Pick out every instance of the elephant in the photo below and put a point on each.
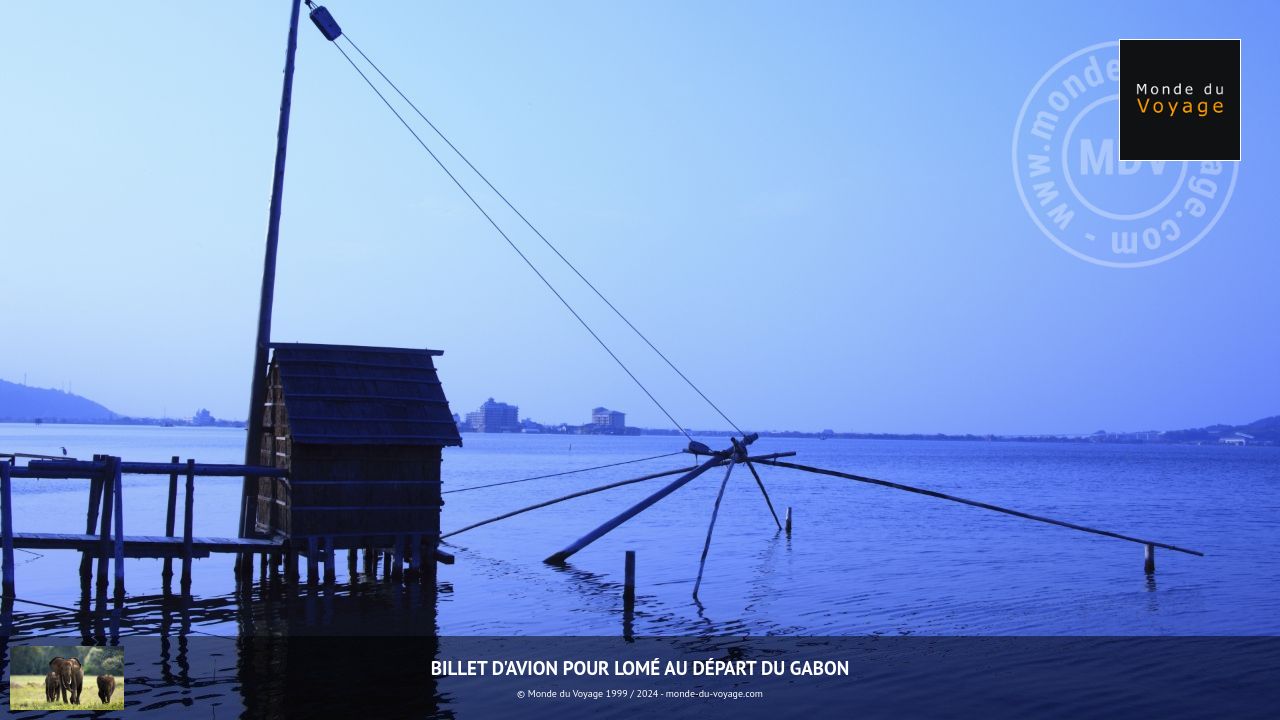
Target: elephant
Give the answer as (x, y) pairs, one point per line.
(51, 686)
(106, 686)
(70, 675)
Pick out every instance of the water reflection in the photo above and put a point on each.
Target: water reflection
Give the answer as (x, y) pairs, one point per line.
(269, 649)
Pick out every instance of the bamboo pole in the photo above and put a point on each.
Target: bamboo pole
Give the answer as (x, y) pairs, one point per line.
(590, 491)
(570, 496)
(715, 511)
(634, 510)
(764, 492)
(975, 503)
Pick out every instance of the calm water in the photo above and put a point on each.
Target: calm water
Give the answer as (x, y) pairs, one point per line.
(862, 560)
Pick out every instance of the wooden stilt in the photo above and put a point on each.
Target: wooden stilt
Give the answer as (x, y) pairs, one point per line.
(291, 565)
(330, 560)
(91, 522)
(1149, 559)
(369, 561)
(188, 525)
(386, 565)
(6, 529)
(313, 574)
(104, 533)
(262, 566)
(117, 481)
(397, 559)
(170, 519)
(415, 557)
(351, 564)
(788, 521)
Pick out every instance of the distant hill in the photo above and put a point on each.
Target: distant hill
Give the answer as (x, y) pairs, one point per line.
(26, 404)
(1266, 430)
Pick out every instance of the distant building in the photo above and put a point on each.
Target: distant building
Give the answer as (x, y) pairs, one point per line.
(607, 422)
(494, 417)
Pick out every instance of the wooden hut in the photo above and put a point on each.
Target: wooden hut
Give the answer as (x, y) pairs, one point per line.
(360, 430)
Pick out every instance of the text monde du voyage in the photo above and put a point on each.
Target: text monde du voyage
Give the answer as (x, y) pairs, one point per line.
(1179, 100)
(631, 668)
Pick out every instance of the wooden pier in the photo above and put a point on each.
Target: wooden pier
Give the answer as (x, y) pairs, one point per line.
(104, 538)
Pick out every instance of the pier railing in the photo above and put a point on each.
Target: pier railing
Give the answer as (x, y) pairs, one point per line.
(104, 536)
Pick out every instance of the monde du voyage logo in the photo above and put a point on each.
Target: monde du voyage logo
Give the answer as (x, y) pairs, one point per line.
(1124, 152)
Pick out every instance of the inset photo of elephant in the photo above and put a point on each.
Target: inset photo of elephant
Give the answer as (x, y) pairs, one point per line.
(54, 677)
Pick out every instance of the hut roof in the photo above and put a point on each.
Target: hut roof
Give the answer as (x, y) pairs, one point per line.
(356, 395)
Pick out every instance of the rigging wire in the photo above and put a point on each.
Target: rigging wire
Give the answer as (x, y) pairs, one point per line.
(542, 237)
(504, 235)
(567, 472)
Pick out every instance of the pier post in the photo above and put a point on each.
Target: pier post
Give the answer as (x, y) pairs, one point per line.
(351, 564)
(104, 535)
(313, 574)
(188, 521)
(369, 561)
(415, 558)
(386, 565)
(788, 521)
(629, 583)
(117, 484)
(1149, 559)
(91, 522)
(330, 559)
(6, 528)
(291, 565)
(170, 518)
(397, 559)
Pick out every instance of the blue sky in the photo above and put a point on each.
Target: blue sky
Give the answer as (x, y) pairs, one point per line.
(809, 206)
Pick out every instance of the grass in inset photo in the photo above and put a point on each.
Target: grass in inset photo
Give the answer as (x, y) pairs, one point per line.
(66, 677)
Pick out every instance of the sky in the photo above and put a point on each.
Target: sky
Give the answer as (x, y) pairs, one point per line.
(809, 207)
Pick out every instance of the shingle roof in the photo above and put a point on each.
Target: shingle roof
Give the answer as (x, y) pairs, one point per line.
(355, 395)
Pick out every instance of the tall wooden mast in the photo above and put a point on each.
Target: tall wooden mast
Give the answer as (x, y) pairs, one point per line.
(262, 343)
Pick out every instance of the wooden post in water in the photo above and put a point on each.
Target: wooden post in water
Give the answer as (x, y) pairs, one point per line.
(415, 558)
(1149, 559)
(629, 583)
(170, 519)
(117, 484)
(351, 564)
(397, 559)
(386, 565)
(330, 560)
(313, 574)
(291, 565)
(91, 522)
(188, 523)
(369, 561)
(6, 528)
(788, 521)
(104, 527)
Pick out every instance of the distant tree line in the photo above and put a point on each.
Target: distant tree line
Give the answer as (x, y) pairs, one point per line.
(97, 660)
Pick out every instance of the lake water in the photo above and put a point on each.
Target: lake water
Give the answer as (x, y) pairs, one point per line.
(861, 559)
(865, 567)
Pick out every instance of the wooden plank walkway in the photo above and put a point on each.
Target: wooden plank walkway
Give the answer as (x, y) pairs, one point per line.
(145, 546)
